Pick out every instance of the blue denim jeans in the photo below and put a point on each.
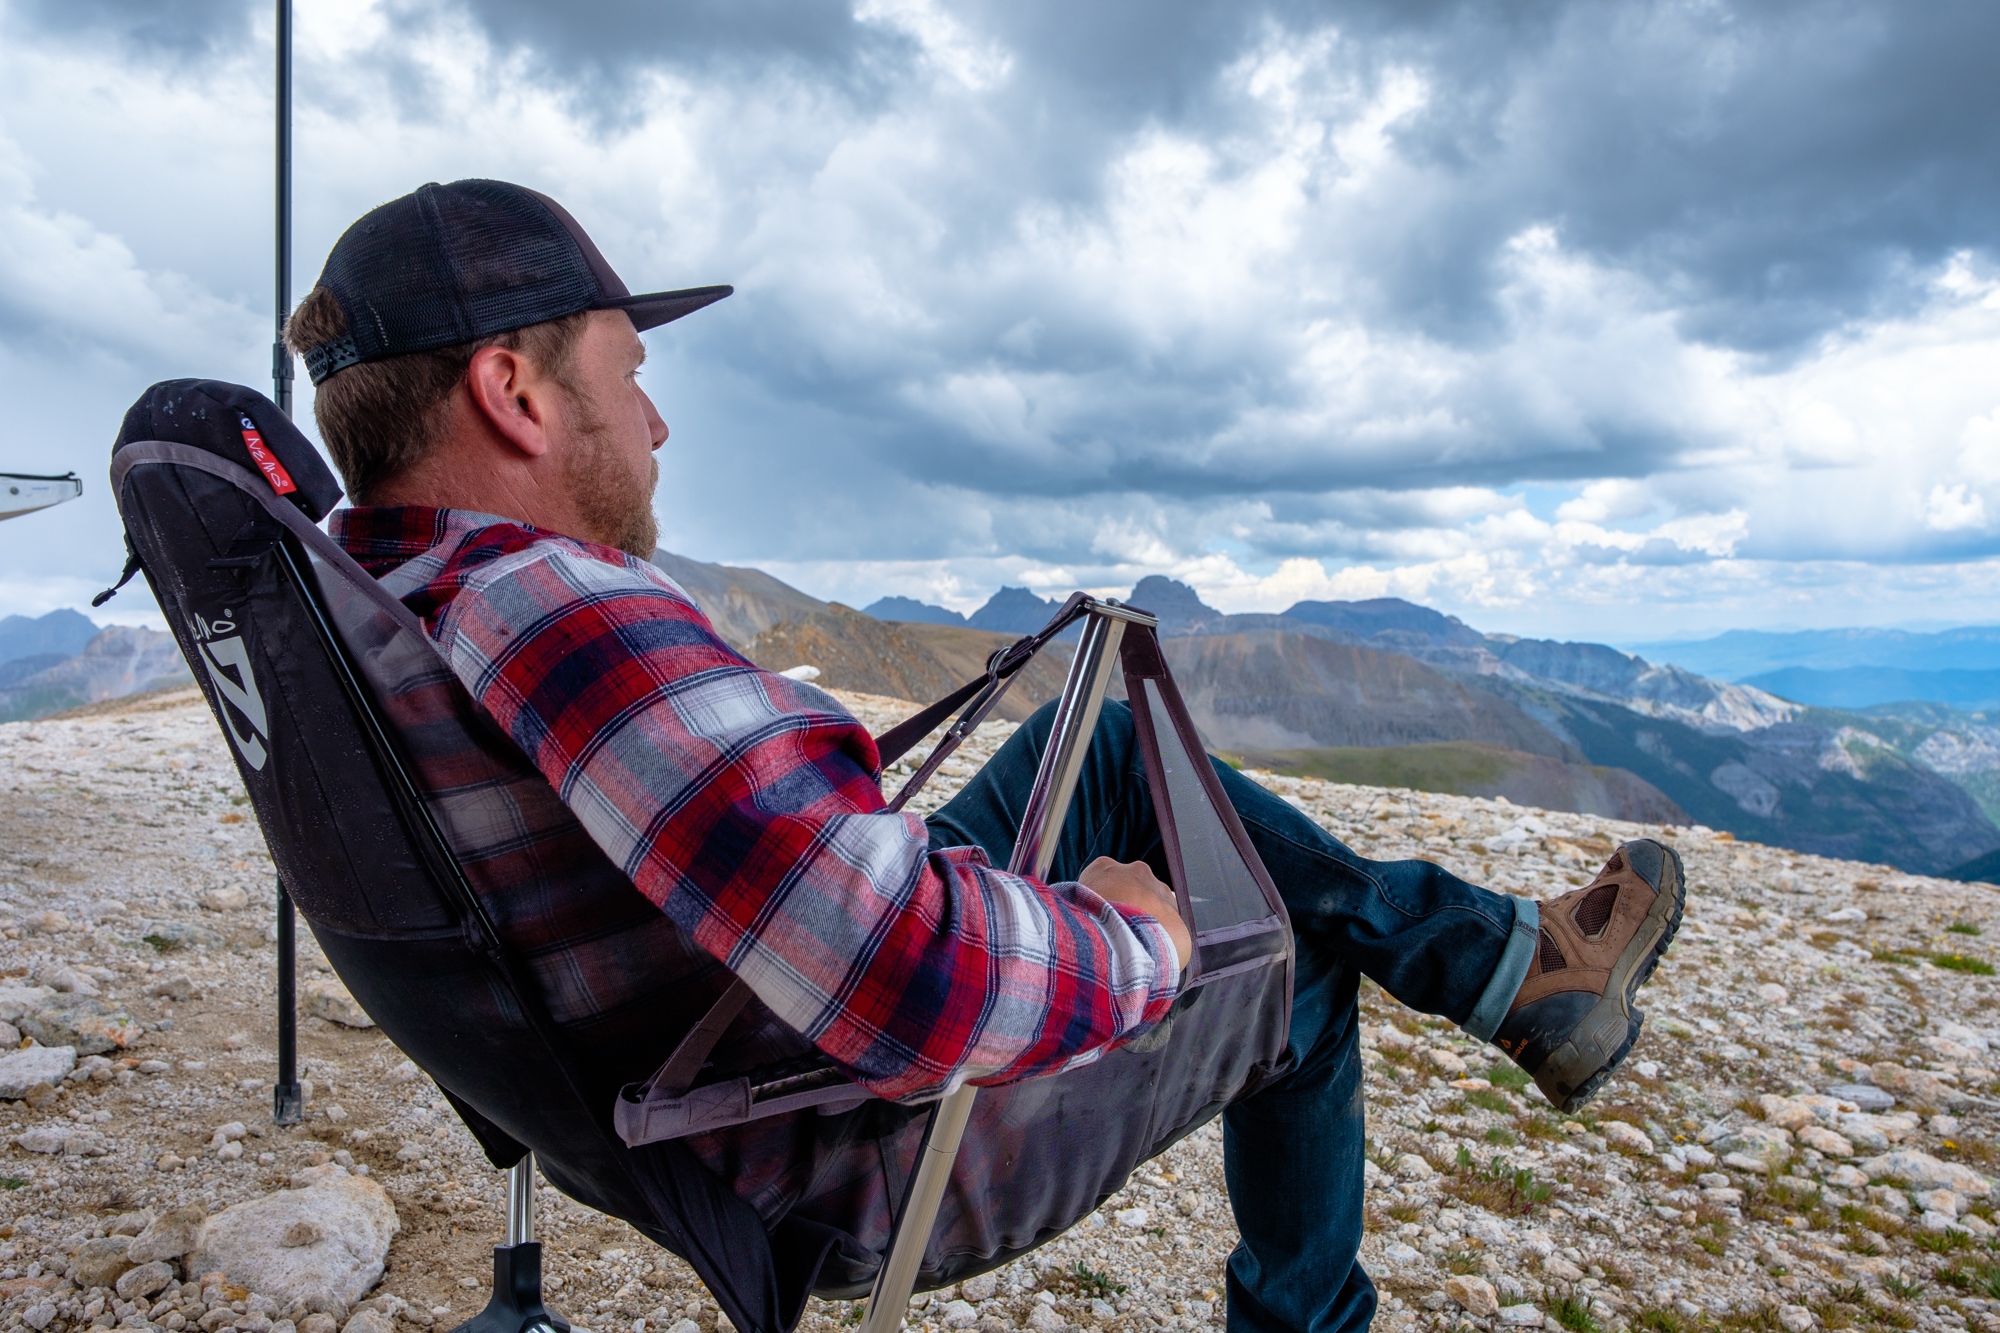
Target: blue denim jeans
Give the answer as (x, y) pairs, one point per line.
(1293, 1153)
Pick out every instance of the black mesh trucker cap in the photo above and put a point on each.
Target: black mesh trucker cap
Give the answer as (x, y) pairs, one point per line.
(467, 260)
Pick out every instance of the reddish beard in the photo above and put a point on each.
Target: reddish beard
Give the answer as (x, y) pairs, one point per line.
(615, 506)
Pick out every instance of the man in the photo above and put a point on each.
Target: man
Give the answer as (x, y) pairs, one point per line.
(476, 362)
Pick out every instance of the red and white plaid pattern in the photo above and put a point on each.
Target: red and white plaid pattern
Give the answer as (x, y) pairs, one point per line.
(752, 816)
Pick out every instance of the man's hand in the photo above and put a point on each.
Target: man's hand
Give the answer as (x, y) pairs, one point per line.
(1134, 884)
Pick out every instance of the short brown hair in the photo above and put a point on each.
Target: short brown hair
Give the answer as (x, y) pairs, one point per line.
(380, 418)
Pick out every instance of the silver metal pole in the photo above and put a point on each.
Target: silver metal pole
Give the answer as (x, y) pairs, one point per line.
(521, 1201)
(1034, 849)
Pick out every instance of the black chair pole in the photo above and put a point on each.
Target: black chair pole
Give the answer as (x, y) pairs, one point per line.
(287, 1099)
(287, 1105)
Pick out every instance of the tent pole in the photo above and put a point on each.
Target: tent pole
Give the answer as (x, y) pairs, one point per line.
(287, 1103)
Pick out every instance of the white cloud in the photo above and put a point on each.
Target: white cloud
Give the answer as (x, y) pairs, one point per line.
(1298, 320)
(1955, 508)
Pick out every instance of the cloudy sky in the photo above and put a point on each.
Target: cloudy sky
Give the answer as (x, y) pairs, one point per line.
(1607, 321)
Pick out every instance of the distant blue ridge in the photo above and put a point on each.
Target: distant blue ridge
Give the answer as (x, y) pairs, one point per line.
(1744, 653)
(1864, 687)
(58, 634)
(909, 609)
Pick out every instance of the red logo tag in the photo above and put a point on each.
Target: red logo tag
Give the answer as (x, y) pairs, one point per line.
(266, 461)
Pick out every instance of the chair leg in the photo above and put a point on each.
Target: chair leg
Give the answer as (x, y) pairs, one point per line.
(287, 1098)
(516, 1305)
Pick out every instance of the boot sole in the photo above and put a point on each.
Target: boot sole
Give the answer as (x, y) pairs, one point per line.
(1575, 1070)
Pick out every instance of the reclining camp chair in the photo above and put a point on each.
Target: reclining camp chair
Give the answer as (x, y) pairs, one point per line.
(412, 835)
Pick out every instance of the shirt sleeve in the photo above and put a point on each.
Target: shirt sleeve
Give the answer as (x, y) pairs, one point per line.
(753, 818)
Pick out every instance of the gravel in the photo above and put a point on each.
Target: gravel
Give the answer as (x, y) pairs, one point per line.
(1804, 1137)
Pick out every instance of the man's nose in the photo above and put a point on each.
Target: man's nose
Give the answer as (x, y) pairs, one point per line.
(656, 427)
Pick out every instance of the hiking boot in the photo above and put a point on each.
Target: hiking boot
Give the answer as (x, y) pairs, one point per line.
(1572, 1021)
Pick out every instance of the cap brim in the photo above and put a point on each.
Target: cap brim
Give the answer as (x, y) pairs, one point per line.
(652, 309)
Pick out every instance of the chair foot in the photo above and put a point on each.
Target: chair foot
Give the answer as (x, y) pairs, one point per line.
(288, 1104)
(516, 1306)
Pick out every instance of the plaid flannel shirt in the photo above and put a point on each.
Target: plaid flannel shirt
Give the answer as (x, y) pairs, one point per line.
(752, 816)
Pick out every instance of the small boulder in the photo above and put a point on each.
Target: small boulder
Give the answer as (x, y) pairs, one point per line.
(1627, 1138)
(1445, 1062)
(23, 1069)
(170, 1235)
(67, 980)
(1949, 1202)
(1476, 1294)
(1913, 1085)
(84, 1022)
(145, 1280)
(100, 1263)
(129, 1224)
(1786, 1112)
(1925, 1172)
(1795, 1318)
(328, 999)
(355, 1221)
(1520, 1316)
(1863, 1096)
(167, 936)
(225, 900)
(1412, 1167)
(44, 1138)
(16, 1000)
(1769, 1143)
(1826, 1141)
(369, 1321)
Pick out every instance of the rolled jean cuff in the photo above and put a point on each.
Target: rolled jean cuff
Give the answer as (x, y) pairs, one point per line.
(1508, 974)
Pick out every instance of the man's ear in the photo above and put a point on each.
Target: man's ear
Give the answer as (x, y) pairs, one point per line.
(514, 400)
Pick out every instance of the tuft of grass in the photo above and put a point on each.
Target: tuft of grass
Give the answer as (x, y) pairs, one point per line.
(1892, 956)
(1575, 1315)
(1977, 1275)
(1899, 1288)
(1942, 1242)
(1088, 1282)
(1508, 1075)
(1660, 1319)
(1489, 1099)
(1542, 1126)
(1462, 1262)
(1498, 1188)
(11, 1182)
(1958, 962)
(161, 943)
(1499, 1137)
(1964, 928)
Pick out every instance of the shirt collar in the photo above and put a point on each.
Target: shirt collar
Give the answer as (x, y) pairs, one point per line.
(382, 537)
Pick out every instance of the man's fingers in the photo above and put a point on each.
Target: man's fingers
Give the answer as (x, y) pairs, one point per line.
(1134, 884)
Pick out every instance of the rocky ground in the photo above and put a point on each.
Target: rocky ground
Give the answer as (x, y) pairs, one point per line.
(1802, 1138)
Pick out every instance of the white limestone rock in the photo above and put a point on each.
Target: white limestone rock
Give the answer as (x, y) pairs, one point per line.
(24, 1069)
(328, 999)
(354, 1221)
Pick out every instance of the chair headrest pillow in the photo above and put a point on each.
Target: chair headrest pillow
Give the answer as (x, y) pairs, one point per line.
(240, 425)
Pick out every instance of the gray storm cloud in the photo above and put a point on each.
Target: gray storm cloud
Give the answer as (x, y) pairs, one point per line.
(1278, 279)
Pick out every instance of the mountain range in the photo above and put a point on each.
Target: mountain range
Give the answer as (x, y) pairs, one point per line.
(63, 659)
(1380, 691)
(1364, 690)
(1851, 668)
